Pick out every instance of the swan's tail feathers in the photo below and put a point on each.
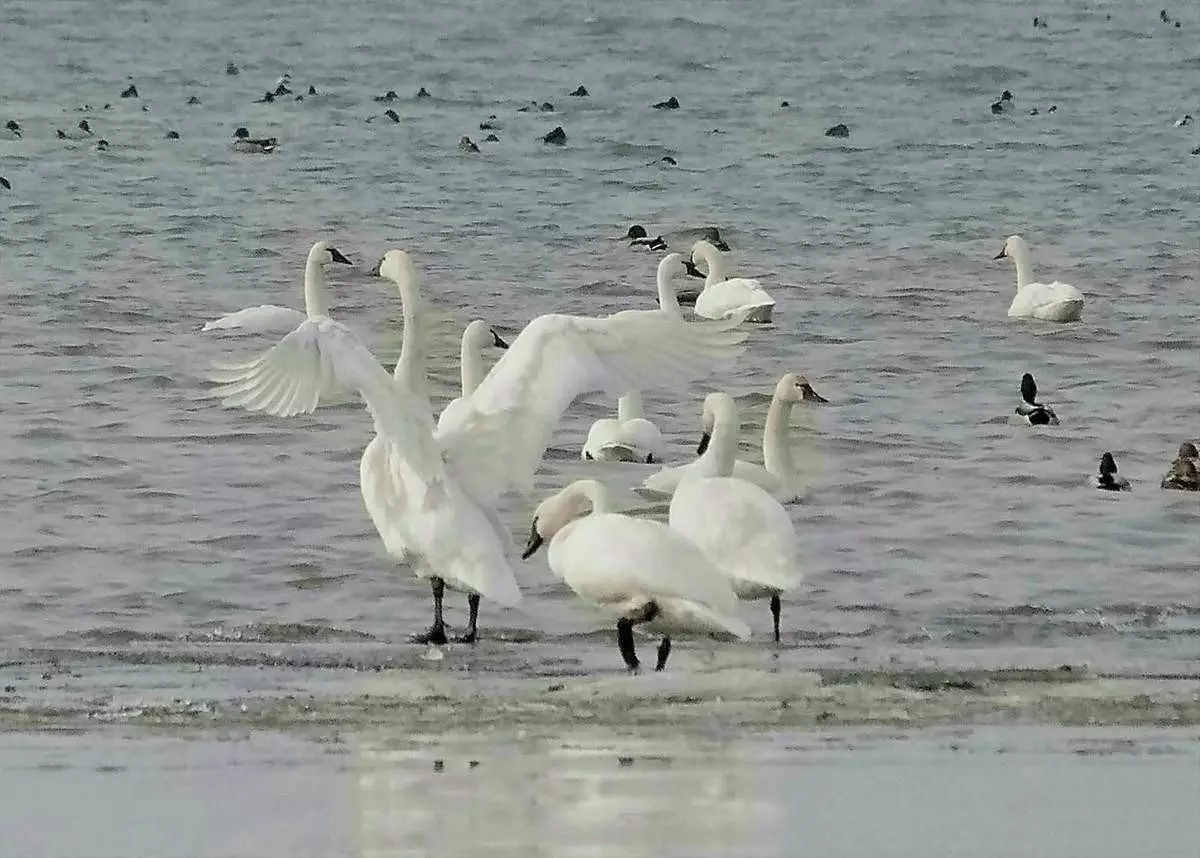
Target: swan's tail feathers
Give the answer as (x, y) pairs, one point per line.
(760, 313)
(616, 453)
(1069, 310)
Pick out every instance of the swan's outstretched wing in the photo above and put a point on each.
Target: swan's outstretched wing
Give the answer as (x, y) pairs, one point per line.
(497, 441)
(321, 357)
(266, 319)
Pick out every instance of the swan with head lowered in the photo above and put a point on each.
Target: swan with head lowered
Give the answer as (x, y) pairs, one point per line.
(630, 437)
(744, 531)
(270, 318)
(722, 298)
(1050, 302)
(430, 491)
(778, 474)
(639, 570)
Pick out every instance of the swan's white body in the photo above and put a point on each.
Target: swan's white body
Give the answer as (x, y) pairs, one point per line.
(477, 336)
(1050, 302)
(630, 437)
(777, 475)
(271, 318)
(722, 298)
(739, 526)
(431, 493)
(622, 564)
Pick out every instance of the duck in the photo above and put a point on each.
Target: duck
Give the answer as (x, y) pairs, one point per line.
(466, 144)
(671, 103)
(556, 137)
(1109, 479)
(580, 91)
(243, 142)
(84, 131)
(722, 298)
(839, 130)
(1184, 473)
(12, 129)
(1186, 119)
(778, 474)
(388, 97)
(638, 237)
(130, 91)
(232, 69)
(630, 437)
(1049, 302)
(1035, 414)
(640, 571)
(739, 526)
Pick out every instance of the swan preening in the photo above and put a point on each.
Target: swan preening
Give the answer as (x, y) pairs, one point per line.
(431, 491)
(1050, 302)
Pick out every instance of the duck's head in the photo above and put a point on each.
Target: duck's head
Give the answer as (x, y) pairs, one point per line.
(1108, 465)
(1014, 246)
(794, 388)
(242, 133)
(713, 236)
(12, 126)
(636, 231)
(1028, 388)
(84, 126)
(556, 512)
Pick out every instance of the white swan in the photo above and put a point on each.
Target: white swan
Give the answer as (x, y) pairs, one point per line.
(744, 531)
(628, 438)
(432, 493)
(641, 571)
(274, 319)
(722, 297)
(1050, 302)
(477, 336)
(778, 474)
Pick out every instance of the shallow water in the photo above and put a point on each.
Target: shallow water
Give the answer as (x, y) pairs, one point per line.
(136, 512)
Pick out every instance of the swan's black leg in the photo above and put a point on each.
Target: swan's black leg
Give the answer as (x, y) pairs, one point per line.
(625, 642)
(776, 608)
(664, 650)
(436, 633)
(472, 620)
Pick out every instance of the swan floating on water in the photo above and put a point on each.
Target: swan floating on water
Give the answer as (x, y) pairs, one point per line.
(630, 437)
(744, 531)
(1050, 302)
(431, 492)
(1035, 413)
(721, 298)
(641, 571)
(1109, 479)
(777, 475)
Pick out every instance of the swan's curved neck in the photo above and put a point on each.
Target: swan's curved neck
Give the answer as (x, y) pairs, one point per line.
(316, 296)
(1020, 257)
(629, 407)
(410, 368)
(596, 494)
(668, 299)
(777, 447)
(716, 266)
(471, 361)
(718, 459)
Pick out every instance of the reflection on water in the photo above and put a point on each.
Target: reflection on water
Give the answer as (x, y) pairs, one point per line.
(577, 801)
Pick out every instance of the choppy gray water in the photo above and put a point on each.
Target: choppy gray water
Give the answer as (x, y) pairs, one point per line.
(136, 510)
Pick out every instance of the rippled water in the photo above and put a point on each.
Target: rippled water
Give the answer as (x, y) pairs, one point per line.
(935, 529)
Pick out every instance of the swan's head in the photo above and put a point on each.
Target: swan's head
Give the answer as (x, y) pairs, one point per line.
(1014, 246)
(795, 388)
(556, 512)
(672, 266)
(396, 266)
(704, 251)
(324, 253)
(718, 408)
(1187, 450)
(480, 335)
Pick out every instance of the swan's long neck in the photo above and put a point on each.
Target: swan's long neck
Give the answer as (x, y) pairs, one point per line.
(629, 407)
(410, 368)
(722, 446)
(716, 266)
(316, 296)
(1024, 267)
(597, 495)
(668, 299)
(472, 370)
(777, 447)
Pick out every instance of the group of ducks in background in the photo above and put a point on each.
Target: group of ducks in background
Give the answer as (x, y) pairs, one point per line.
(431, 487)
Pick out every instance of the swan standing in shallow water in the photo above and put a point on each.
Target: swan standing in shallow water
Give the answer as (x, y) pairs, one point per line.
(1050, 302)
(432, 493)
(478, 336)
(778, 474)
(744, 531)
(1034, 412)
(721, 298)
(275, 319)
(641, 571)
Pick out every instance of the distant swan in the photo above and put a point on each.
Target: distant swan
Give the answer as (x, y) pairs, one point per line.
(721, 298)
(639, 570)
(1050, 302)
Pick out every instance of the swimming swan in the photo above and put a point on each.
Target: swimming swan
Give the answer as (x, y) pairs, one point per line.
(1035, 413)
(722, 297)
(628, 438)
(744, 531)
(1050, 302)
(639, 570)
(477, 336)
(778, 474)
(274, 319)
(432, 492)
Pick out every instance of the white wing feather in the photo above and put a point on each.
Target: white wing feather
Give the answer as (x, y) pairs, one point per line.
(497, 441)
(268, 318)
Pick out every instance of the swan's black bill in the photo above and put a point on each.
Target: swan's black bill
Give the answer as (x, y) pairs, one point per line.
(692, 270)
(534, 543)
(336, 256)
(809, 395)
(1003, 253)
(703, 445)
(498, 341)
